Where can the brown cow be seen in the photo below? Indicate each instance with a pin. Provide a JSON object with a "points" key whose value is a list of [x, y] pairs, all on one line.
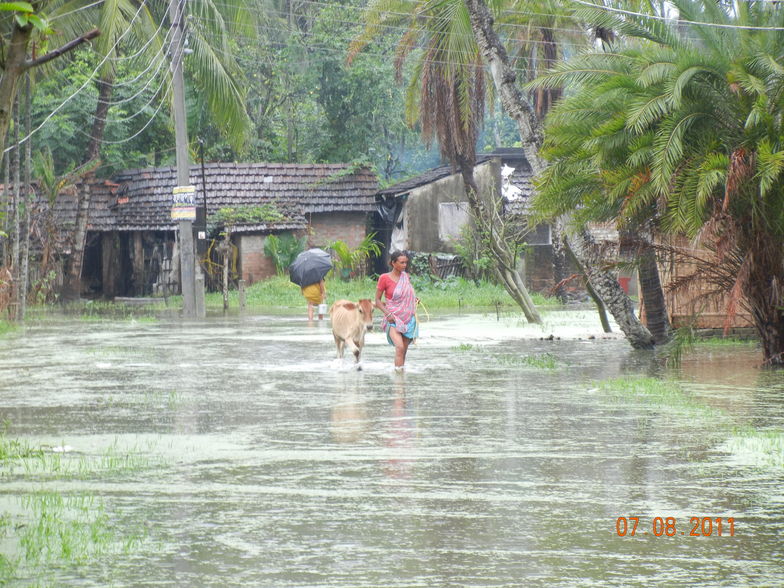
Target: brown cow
{"points": [[350, 321]]}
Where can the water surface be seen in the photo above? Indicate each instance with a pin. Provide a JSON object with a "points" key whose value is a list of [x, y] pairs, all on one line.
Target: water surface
{"points": [[497, 459]]}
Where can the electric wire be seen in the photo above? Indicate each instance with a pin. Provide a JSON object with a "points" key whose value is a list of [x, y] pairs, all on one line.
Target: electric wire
{"points": [[677, 20], [88, 80], [75, 10]]}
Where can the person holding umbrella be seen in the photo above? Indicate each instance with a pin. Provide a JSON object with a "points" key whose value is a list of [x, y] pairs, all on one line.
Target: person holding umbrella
{"points": [[308, 271], [316, 295]]}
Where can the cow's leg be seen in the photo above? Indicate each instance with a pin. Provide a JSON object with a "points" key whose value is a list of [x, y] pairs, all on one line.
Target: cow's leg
{"points": [[353, 348], [359, 344], [339, 345]]}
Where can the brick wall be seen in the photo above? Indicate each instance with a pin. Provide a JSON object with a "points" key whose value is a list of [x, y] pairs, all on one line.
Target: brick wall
{"points": [[349, 227], [539, 268], [325, 228], [254, 265]]}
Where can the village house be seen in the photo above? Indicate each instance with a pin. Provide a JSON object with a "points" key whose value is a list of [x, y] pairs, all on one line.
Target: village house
{"points": [[427, 213], [132, 245]]}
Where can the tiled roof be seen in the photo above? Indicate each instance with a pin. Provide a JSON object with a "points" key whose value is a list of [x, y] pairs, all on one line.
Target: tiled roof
{"points": [[141, 199], [521, 178], [425, 178]]}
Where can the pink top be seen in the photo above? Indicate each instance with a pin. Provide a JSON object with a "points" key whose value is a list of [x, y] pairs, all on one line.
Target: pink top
{"points": [[386, 284]]}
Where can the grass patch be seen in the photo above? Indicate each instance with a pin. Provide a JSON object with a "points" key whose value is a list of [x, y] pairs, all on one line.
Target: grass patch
{"points": [[542, 361], [451, 293], [43, 531], [752, 446], [659, 393], [725, 342], [50, 530], [761, 448], [7, 327], [111, 463], [13, 449], [465, 347]]}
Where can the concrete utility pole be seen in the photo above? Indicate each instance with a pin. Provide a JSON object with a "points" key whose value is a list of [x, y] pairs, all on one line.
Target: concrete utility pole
{"points": [[185, 226]]}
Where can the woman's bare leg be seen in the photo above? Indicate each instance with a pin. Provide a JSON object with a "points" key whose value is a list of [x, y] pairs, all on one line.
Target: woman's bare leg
{"points": [[401, 347]]}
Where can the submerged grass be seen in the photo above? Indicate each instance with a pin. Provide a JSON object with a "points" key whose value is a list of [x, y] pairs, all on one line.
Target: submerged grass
{"points": [[47, 529], [726, 342], [6, 327], [62, 464], [542, 361], [103, 310], [753, 446], [762, 448]]}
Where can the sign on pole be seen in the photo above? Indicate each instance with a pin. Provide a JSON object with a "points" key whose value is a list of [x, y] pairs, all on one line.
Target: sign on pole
{"points": [[184, 203]]}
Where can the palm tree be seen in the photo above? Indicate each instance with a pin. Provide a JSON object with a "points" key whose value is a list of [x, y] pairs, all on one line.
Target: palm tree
{"points": [[446, 96], [684, 123], [581, 245]]}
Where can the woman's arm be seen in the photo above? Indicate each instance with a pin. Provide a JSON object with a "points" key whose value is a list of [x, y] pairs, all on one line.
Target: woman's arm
{"points": [[379, 304]]}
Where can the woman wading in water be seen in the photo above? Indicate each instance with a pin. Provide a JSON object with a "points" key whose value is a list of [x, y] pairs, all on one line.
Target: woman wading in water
{"points": [[399, 309]]}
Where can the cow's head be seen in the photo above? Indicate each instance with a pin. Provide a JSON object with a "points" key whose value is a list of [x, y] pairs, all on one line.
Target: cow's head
{"points": [[366, 312]]}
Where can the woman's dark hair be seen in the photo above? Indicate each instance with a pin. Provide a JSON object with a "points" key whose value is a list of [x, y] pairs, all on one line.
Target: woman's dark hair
{"points": [[395, 254]]}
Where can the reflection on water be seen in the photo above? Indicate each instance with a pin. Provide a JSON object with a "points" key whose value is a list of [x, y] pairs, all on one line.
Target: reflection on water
{"points": [[273, 466]]}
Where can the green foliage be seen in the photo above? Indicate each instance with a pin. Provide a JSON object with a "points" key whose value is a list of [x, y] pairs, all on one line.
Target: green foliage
{"points": [[679, 136], [283, 250], [25, 14], [137, 134], [348, 261], [474, 252], [264, 213]]}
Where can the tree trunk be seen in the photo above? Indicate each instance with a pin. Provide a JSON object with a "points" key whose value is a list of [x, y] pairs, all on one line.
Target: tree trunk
{"points": [[560, 265], [515, 103], [13, 68], [503, 256], [226, 251], [27, 202], [601, 309], [105, 90], [73, 263], [764, 291], [652, 296], [611, 293], [6, 208], [72, 275], [531, 135], [769, 323], [16, 243]]}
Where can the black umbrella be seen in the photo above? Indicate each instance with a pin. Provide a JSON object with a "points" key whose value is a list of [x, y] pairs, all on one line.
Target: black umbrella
{"points": [[310, 267]]}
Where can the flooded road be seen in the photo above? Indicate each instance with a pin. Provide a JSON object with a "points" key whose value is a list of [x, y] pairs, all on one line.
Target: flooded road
{"points": [[500, 458]]}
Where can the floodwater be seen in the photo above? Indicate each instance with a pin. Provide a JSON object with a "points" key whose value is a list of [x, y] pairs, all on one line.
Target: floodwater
{"points": [[496, 459]]}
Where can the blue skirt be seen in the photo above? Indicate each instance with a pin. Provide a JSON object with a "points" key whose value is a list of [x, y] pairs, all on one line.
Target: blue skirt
{"points": [[412, 332]]}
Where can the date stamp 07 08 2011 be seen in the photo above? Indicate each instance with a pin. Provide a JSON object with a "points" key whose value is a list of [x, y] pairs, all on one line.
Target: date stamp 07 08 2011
{"points": [[668, 527]]}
